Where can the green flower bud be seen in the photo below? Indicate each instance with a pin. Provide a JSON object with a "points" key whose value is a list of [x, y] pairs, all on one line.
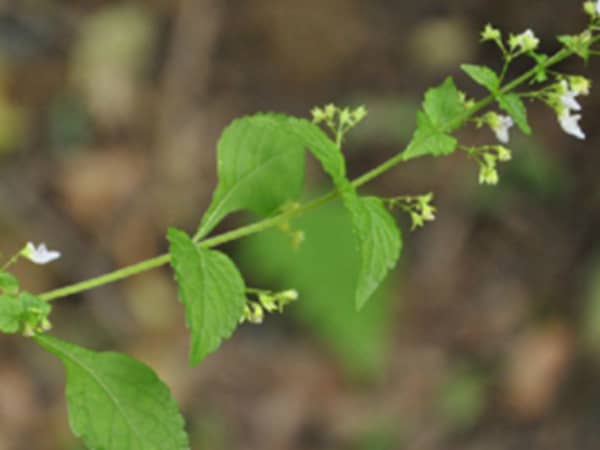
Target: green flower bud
{"points": [[580, 85], [253, 313], [589, 8], [318, 114], [490, 33], [417, 220], [488, 175], [504, 154], [359, 114]]}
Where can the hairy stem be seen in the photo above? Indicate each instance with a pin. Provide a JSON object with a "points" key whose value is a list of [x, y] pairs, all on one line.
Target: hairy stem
{"points": [[270, 222]]}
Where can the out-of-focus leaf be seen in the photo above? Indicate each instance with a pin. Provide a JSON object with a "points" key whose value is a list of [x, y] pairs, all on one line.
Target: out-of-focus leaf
{"points": [[324, 270]]}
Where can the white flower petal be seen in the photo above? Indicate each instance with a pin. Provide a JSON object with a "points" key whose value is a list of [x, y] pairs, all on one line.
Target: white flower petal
{"points": [[598, 7], [568, 100], [41, 254], [570, 124], [502, 128]]}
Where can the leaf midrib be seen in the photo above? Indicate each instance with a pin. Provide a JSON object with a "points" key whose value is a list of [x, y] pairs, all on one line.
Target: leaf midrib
{"points": [[109, 393]]}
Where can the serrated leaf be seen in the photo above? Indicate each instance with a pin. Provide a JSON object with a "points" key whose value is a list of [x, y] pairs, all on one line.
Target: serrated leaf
{"points": [[513, 105], [11, 312], [482, 75], [212, 290], [428, 140], [443, 105], [379, 239], [260, 167], [116, 402], [323, 148]]}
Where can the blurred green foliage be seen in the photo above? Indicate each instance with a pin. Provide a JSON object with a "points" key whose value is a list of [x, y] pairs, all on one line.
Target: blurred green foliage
{"points": [[462, 397], [324, 271]]}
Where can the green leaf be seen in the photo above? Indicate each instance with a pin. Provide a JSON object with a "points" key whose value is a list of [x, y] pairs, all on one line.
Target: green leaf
{"points": [[11, 311], [260, 167], [443, 105], [116, 402], [482, 75], [379, 239], [428, 140], [8, 284], [513, 105], [323, 148], [212, 290]]}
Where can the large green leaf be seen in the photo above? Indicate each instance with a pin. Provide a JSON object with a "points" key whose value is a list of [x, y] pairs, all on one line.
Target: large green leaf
{"points": [[513, 105], [212, 290], [443, 105], [379, 242], [428, 140], [116, 402], [482, 75], [260, 167]]}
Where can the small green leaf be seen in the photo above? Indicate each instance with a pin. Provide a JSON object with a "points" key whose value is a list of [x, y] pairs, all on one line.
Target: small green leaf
{"points": [[8, 284], [116, 402], [323, 148], [482, 75], [212, 290], [443, 106], [11, 311], [428, 140], [380, 242], [513, 105], [260, 167]]}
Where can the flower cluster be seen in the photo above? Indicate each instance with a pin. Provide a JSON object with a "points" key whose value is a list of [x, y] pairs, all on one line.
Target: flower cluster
{"points": [[418, 207], [563, 98], [524, 42], [338, 120], [268, 301], [518, 44], [487, 157]]}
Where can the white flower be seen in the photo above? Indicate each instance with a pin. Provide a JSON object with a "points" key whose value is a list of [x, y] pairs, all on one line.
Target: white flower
{"points": [[598, 7], [570, 124], [568, 97], [39, 255], [501, 126]]}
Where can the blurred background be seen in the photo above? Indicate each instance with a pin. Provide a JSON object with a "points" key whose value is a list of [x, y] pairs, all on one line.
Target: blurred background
{"points": [[486, 337]]}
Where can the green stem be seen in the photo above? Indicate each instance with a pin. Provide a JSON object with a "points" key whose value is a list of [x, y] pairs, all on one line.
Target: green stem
{"points": [[13, 259], [270, 222]]}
